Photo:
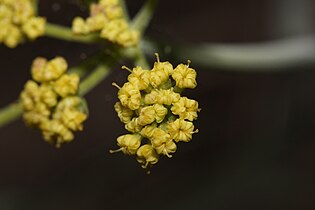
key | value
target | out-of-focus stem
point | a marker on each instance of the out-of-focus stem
(65, 33)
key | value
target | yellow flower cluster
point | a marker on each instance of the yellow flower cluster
(154, 112)
(107, 18)
(50, 101)
(18, 21)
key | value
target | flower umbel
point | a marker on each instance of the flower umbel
(50, 101)
(18, 22)
(106, 18)
(156, 115)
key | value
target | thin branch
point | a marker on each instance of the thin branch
(10, 113)
(144, 16)
(272, 56)
(65, 33)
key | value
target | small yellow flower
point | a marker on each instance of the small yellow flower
(47, 95)
(67, 84)
(133, 126)
(148, 130)
(129, 95)
(186, 108)
(163, 142)
(34, 27)
(181, 130)
(13, 36)
(94, 23)
(128, 38)
(160, 112)
(184, 76)
(43, 71)
(125, 114)
(139, 77)
(113, 29)
(128, 144)
(30, 95)
(147, 156)
(147, 115)
(79, 26)
(56, 132)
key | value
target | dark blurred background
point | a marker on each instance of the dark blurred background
(255, 148)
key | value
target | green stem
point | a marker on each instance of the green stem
(65, 33)
(96, 77)
(144, 16)
(271, 56)
(10, 113)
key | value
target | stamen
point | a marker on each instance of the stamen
(126, 68)
(166, 153)
(116, 150)
(115, 85)
(188, 63)
(157, 57)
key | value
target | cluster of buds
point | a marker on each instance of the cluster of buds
(154, 112)
(51, 103)
(18, 21)
(107, 18)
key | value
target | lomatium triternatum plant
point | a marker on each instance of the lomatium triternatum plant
(151, 103)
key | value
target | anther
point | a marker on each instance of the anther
(157, 57)
(126, 68)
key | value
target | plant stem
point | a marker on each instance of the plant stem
(144, 16)
(96, 77)
(10, 113)
(65, 33)
(272, 56)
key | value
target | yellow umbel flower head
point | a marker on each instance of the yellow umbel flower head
(51, 103)
(106, 18)
(18, 22)
(154, 112)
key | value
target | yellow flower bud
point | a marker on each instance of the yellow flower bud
(30, 95)
(13, 36)
(96, 23)
(186, 108)
(181, 130)
(129, 96)
(133, 126)
(147, 115)
(162, 142)
(67, 84)
(23, 10)
(79, 26)
(113, 28)
(184, 76)
(47, 95)
(128, 38)
(125, 114)
(72, 119)
(128, 144)
(55, 132)
(38, 115)
(113, 12)
(147, 156)
(139, 77)
(147, 131)
(43, 71)
(160, 112)
(34, 27)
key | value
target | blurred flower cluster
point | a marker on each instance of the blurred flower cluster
(154, 112)
(50, 101)
(18, 21)
(107, 18)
